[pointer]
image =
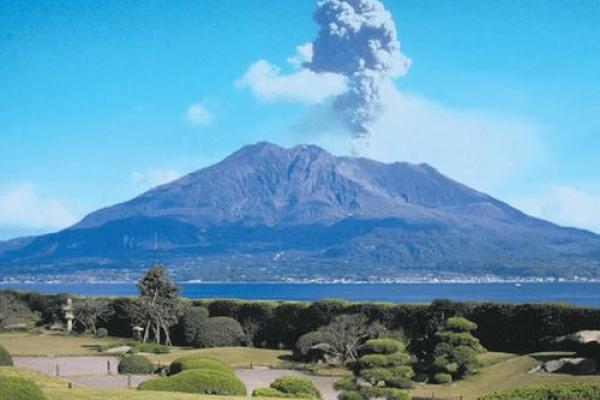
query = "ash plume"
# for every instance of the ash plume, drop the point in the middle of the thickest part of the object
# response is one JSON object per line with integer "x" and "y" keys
{"x": 358, "y": 39}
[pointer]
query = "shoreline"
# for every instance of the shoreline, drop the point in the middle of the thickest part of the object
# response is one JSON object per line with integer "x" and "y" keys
{"x": 474, "y": 281}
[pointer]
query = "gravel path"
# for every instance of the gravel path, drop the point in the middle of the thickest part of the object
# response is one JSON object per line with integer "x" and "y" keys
{"x": 92, "y": 372}
{"x": 69, "y": 366}
{"x": 255, "y": 378}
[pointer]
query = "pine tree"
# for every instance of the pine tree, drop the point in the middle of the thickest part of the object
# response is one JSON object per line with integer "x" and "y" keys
{"x": 382, "y": 371}
{"x": 457, "y": 351}
{"x": 158, "y": 304}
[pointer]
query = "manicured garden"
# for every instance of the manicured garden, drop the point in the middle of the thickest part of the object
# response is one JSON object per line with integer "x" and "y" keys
{"x": 377, "y": 350}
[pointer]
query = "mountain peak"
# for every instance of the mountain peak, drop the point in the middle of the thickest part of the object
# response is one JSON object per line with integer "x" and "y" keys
{"x": 266, "y": 184}
{"x": 268, "y": 149}
{"x": 302, "y": 211}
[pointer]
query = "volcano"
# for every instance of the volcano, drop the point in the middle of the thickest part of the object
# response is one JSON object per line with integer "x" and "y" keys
{"x": 267, "y": 213}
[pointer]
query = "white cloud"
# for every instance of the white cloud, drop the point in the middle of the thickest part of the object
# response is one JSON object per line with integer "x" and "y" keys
{"x": 154, "y": 177}
{"x": 564, "y": 205}
{"x": 476, "y": 148}
{"x": 198, "y": 115}
{"x": 22, "y": 208}
{"x": 267, "y": 82}
{"x": 304, "y": 54}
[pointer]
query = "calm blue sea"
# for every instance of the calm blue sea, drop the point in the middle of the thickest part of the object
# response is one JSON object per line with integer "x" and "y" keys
{"x": 585, "y": 294}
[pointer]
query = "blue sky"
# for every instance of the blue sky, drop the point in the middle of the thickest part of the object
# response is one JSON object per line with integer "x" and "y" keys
{"x": 102, "y": 100}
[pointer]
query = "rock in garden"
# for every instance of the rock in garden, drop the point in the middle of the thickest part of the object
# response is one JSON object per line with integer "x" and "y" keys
{"x": 119, "y": 350}
{"x": 15, "y": 327}
{"x": 576, "y": 366}
{"x": 582, "y": 337}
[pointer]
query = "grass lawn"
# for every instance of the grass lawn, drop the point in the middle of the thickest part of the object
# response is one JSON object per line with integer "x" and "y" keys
{"x": 237, "y": 357}
{"x": 57, "y": 344}
{"x": 51, "y": 344}
{"x": 504, "y": 371}
{"x": 57, "y": 389}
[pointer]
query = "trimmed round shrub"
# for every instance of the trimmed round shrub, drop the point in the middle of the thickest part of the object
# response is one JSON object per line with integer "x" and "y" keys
{"x": 467, "y": 360}
{"x": 383, "y": 346}
{"x": 296, "y": 386}
{"x": 303, "y": 350}
{"x": 442, "y": 378}
{"x": 344, "y": 384}
{"x": 136, "y": 364}
{"x": 200, "y": 381}
{"x": 460, "y": 324}
{"x": 5, "y": 357}
{"x": 399, "y": 382}
{"x": 101, "y": 332}
{"x": 382, "y": 360}
{"x": 219, "y": 332}
{"x": 198, "y": 362}
{"x": 351, "y": 395}
{"x": 190, "y": 322}
{"x": 374, "y": 375}
{"x": 373, "y": 360}
{"x": 14, "y": 388}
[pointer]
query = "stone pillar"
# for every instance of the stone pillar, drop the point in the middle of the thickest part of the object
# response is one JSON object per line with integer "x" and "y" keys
{"x": 69, "y": 314}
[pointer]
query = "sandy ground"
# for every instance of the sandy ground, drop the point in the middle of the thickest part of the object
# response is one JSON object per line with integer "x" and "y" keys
{"x": 255, "y": 378}
{"x": 69, "y": 366}
{"x": 93, "y": 372}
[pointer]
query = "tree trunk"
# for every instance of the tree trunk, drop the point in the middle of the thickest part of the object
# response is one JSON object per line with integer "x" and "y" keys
{"x": 167, "y": 334}
{"x": 158, "y": 328}
{"x": 146, "y": 331}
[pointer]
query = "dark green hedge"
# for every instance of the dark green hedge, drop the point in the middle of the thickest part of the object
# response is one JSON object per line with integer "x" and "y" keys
{"x": 198, "y": 381}
{"x": 565, "y": 391}
{"x": 136, "y": 364}
{"x": 191, "y": 320}
{"x": 13, "y": 388}
{"x": 500, "y": 327}
{"x": 5, "y": 357}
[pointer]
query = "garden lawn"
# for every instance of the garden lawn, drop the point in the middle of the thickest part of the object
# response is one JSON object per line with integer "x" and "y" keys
{"x": 52, "y": 344}
{"x": 57, "y": 389}
{"x": 237, "y": 357}
{"x": 505, "y": 372}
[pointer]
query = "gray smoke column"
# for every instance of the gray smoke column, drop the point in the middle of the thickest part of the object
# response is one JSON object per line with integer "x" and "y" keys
{"x": 358, "y": 39}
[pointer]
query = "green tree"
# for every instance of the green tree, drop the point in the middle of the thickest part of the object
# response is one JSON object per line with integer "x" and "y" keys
{"x": 346, "y": 333}
{"x": 339, "y": 341}
{"x": 88, "y": 312}
{"x": 456, "y": 353}
{"x": 159, "y": 306}
{"x": 382, "y": 371}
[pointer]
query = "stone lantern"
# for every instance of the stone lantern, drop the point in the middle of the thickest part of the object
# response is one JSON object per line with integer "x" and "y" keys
{"x": 69, "y": 314}
{"x": 137, "y": 331}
